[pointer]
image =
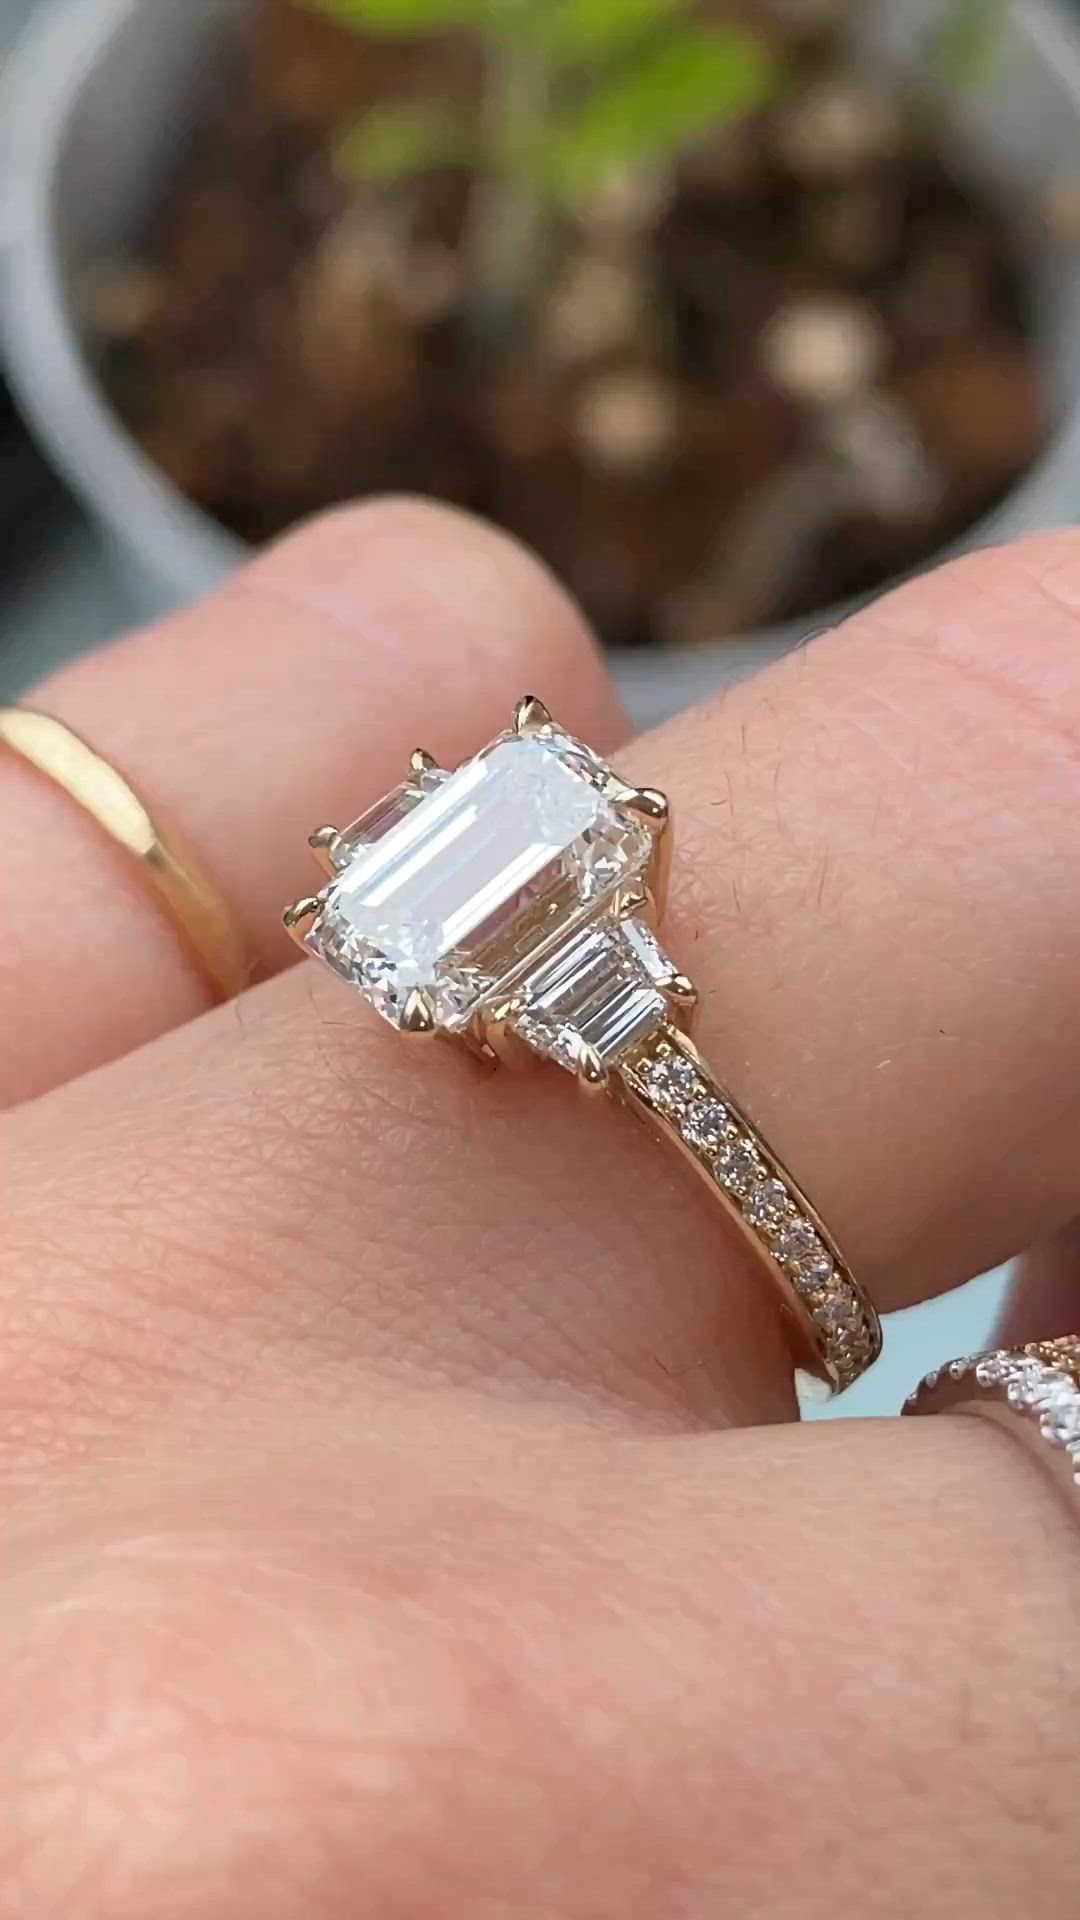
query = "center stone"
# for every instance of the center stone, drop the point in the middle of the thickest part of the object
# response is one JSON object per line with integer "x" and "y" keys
{"x": 468, "y": 886}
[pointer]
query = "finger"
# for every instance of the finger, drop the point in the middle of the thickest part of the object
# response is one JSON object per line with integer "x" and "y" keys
{"x": 1043, "y": 1301}
{"x": 870, "y": 896}
{"x": 881, "y": 837}
{"x": 431, "y": 1657}
{"x": 290, "y": 700}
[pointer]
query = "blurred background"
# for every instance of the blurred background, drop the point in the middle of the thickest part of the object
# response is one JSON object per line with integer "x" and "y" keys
{"x": 737, "y": 310}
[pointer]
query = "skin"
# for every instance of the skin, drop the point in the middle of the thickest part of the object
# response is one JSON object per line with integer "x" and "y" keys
{"x": 398, "y": 1524}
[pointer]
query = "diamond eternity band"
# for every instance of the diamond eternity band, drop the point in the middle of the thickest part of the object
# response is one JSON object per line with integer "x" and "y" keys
{"x": 1036, "y": 1389}
{"x": 511, "y": 905}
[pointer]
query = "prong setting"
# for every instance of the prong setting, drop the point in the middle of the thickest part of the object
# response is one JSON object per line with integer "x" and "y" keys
{"x": 682, "y": 990}
{"x": 299, "y": 918}
{"x": 592, "y": 1075}
{"x": 682, "y": 997}
{"x": 395, "y": 918}
{"x": 505, "y": 1044}
{"x": 650, "y": 805}
{"x": 476, "y": 1042}
{"x": 419, "y": 1018}
{"x": 653, "y": 809}
{"x": 328, "y": 847}
{"x": 531, "y": 715}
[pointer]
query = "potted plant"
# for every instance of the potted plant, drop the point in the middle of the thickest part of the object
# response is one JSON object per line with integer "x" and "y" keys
{"x": 733, "y": 311}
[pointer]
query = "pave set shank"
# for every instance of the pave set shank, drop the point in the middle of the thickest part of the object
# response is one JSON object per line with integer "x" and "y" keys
{"x": 511, "y": 906}
{"x": 1035, "y": 1390}
{"x": 667, "y": 1080}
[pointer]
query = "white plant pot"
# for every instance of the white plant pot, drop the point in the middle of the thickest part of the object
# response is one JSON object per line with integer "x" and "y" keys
{"x": 96, "y": 104}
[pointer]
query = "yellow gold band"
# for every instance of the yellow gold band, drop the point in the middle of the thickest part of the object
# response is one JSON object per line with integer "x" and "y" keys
{"x": 671, "y": 1087}
{"x": 570, "y": 864}
{"x": 193, "y": 902}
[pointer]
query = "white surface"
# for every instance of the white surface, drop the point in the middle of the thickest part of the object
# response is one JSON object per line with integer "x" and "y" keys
{"x": 960, "y": 1323}
{"x": 13, "y": 16}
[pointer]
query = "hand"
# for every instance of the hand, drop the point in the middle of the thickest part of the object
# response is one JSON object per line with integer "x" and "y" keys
{"x": 370, "y": 1548}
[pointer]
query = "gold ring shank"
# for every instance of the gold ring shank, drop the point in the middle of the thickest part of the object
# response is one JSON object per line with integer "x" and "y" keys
{"x": 670, "y": 1087}
{"x": 193, "y": 902}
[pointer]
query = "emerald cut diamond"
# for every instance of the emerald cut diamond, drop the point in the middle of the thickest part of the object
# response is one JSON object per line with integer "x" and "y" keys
{"x": 458, "y": 886}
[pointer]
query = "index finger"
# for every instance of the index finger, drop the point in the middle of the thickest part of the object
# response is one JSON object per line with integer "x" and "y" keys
{"x": 277, "y": 705}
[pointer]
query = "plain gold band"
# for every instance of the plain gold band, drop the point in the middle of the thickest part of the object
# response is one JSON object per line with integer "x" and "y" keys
{"x": 193, "y": 902}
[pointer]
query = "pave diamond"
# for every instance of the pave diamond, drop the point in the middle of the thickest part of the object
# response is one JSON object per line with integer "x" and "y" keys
{"x": 672, "y": 1081}
{"x": 799, "y": 1248}
{"x": 992, "y": 1369}
{"x": 1052, "y": 1391}
{"x": 1033, "y": 1384}
{"x": 839, "y": 1311}
{"x": 768, "y": 1205}
{"x": 797, "y": 1242}
{"x": 739, "y": 1167}
{"x": 1036, "y": 1385}
{"x": 1055, "y": 1398}
{"x": 812, "y": 1274}
{"x": 460, "y": 889}
{"x": 1022, "y": 1382}
{"x": 550, "y": 1040}
{"x": 1061, "y": 1425}
{"x": 706, "y": 1123}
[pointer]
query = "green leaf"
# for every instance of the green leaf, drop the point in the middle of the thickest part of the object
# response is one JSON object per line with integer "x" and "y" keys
{"x": 396, "y": 142}
{"x": 963, "y": 49}
{"x": 596, "y": 29}
{"x": 693, "y": 81}
{"x": 400, "y": 19}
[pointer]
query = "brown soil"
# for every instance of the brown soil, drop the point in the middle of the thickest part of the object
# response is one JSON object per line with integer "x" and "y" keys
{"x": 797, "y": 364}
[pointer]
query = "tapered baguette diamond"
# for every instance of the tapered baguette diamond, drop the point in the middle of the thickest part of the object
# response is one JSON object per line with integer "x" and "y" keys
{"x": 461, "y": 890}
{"x": 596, "y": 991}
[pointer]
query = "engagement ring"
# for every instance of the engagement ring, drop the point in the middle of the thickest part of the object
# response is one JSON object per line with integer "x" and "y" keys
{"x": 512, "y": 906}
